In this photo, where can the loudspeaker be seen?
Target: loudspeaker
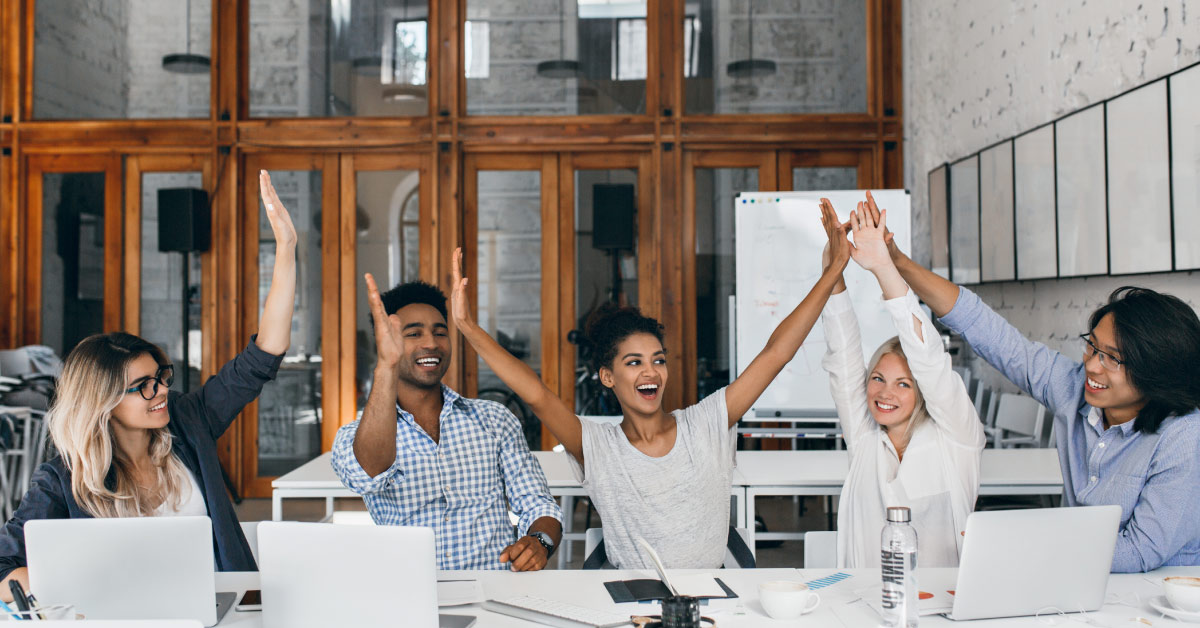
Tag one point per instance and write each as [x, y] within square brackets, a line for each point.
[183, 220]
[612, 216]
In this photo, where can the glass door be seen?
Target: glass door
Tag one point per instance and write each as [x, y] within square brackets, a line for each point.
[72, 281]
[510, 210]
[840, 169]
[712, 180]
[385, 201]
[285, 424]
[605, 213]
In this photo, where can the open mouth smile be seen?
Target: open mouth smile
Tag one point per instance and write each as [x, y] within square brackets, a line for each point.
[1095, 386]
[648, 391]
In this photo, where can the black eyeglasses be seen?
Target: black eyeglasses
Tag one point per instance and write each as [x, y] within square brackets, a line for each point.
[1107, 360]
[147, 387]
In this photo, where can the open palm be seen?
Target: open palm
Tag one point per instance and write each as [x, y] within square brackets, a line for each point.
[870, 247]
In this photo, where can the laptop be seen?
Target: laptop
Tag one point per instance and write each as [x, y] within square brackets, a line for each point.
[1019, 562]
[129, 568]
[316, 575]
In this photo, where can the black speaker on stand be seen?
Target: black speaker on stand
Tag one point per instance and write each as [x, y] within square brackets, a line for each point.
[184, 227]
[613, 210]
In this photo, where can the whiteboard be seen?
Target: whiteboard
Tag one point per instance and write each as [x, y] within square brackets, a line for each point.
[779, 238]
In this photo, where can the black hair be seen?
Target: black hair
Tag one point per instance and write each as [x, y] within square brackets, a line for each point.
[610, 324]
[414, 292]
[1159, 338]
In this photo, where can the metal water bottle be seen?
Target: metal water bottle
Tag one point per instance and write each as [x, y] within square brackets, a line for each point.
[898, 560]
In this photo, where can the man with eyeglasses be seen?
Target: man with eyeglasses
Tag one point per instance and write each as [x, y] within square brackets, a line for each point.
[1126, 417]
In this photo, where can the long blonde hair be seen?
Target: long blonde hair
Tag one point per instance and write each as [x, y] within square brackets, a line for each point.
[91, 386]
[919, 413]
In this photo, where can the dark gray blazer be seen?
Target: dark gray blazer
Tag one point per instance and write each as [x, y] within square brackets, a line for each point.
[197, 420]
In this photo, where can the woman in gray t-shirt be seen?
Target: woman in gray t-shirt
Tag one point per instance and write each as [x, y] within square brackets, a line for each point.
[659, 476]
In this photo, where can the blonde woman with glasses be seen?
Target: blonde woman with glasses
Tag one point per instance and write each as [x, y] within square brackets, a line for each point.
[129, 447]
[913, 435]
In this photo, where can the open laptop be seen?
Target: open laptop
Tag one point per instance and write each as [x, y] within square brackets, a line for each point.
[129, 568]
[316, 575]
[1020, 562]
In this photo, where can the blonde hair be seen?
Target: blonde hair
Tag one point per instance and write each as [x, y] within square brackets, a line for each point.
[90, 388]
[919, 414]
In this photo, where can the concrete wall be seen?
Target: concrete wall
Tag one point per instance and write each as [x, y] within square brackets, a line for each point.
[979, 72]
[80, 59]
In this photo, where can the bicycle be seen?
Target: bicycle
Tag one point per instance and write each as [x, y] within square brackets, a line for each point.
[531, 426]
[591, 397]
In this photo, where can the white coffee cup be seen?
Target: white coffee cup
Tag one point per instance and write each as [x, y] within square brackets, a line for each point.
[787, 599]
[1183, 592]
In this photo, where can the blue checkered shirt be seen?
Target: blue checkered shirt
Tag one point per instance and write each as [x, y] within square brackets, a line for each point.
[1154, 478]
[461, 487]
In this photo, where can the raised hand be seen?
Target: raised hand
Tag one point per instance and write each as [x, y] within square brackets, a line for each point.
[388, 345]
[870, 249]
[888, 237]
[277, 214]
[838, 249]
[460, 309]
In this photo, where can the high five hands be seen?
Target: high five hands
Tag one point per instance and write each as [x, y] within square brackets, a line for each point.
[838, 249]
[460, 310]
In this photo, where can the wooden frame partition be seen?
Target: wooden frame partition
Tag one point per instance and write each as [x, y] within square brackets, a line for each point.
[251, 309]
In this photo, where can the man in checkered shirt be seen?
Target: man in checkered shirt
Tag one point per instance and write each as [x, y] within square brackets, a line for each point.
[422, 455]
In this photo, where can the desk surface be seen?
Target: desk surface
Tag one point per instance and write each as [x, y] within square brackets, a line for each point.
[998, 467]
[1128, 597]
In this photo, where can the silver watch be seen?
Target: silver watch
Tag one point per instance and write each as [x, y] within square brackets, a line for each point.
[546, 542]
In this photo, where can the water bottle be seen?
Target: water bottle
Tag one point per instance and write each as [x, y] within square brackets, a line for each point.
[898, 560]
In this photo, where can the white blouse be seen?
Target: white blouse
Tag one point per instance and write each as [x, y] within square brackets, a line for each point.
[939, 477]
[192, 504]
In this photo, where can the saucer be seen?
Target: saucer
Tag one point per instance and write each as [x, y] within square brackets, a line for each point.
[1160, 604]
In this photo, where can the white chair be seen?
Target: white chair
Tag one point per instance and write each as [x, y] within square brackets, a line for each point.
[985, 404]
[820, 549]
[250, 529]
[1019, 421]
[593, 536]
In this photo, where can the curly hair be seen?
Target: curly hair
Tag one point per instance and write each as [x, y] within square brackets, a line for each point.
[611, 324]
[414, 292]
[1159, 338]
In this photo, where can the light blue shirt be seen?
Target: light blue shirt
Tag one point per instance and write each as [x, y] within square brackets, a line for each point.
[1154, 478]
[461, 486]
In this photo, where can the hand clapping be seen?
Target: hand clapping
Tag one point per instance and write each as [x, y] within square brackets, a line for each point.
[838, 249]
[870, 247]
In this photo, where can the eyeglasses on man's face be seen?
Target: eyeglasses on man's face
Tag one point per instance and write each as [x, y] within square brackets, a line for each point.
[147, 387]
[1107, 360]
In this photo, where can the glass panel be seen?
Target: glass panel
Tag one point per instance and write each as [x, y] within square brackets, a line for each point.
[289, 409]
[331, 58]
[556, 57]
[605, 262]
[964, 221]
[120, 60]
[387, 221]
[72, 258]
[509, 280]
[817, 179]
[775, 56]
[715, 278]
[161, 315]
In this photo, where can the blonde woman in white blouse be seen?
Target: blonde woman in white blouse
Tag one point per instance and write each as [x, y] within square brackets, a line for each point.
[913, 435]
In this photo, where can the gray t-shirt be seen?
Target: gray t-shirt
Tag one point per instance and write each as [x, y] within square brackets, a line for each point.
[678, 503]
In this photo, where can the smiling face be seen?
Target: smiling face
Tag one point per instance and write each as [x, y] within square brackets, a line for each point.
[638, 374]
[891, 392]
[1105, 389]
[426, 345]
[134, 412]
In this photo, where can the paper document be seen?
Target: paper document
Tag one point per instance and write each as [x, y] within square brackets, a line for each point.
[699, 585]
[459, 592]
[658, 566]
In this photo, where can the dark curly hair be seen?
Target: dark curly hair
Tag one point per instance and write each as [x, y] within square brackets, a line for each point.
[414, 292]
[1159, 338]
[610, 324]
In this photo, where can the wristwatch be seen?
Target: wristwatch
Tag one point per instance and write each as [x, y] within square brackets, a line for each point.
[546, 542]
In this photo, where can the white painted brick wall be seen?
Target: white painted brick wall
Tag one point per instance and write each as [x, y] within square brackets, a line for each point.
[978, 72]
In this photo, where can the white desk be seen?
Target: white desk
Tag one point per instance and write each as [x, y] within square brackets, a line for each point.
[759, 473]
[792, 473]
[1128, 595]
